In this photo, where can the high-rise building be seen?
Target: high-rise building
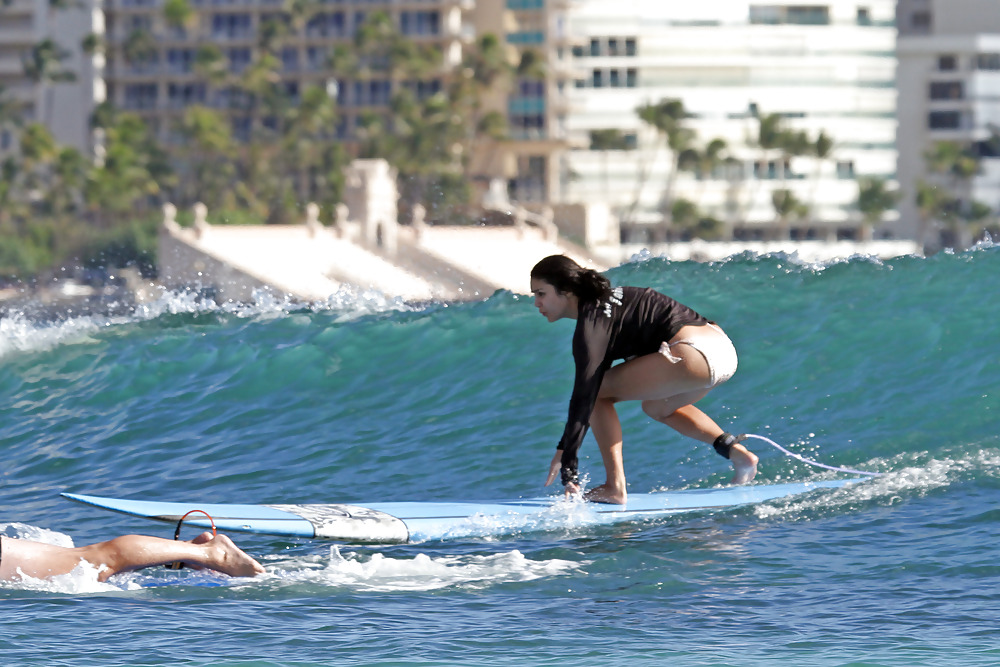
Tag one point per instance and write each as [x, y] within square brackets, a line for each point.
[46, 74]
[949, 118]
[805, 68]
[157, 63]
[537, 104]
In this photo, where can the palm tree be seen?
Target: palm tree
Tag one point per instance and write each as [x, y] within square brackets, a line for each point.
[180, 15]
[932, 204]
[874, 199]
[959, 164]
[308, 127]
[786, 208]
[11, 112]
[134, 169]
[704, 163]
[604, 141]
[208, 147]
[684, 214]
[38, 151]
[667, 118]
[822, 149]
[43, 66]
[93, 44]
[210, 64]
[486, 69]
[139, 47]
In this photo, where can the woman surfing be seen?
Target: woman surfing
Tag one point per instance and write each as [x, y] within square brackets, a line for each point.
[673, 358]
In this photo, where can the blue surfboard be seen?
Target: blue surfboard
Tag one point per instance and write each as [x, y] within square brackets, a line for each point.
[401, 522]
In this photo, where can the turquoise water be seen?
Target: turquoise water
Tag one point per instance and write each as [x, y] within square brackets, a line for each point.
[884, 366]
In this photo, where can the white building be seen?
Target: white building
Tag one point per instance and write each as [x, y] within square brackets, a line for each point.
[823, 66]
[949, 91]
[64, 107]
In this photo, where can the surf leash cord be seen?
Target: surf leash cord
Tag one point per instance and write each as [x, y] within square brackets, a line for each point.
[810, 461]
[177, 535]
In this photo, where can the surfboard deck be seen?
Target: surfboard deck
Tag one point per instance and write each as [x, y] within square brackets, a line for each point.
[415, 521]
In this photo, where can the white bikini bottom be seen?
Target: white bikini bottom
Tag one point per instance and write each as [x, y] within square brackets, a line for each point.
[715, 346]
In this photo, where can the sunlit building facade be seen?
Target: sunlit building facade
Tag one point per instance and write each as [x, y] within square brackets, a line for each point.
[820, 66]
[949, 91]
[58, 86]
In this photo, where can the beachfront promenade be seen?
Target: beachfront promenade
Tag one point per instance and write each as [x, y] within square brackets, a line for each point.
[365, 247]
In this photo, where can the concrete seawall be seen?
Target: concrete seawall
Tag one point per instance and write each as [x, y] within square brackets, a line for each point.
[230, 263]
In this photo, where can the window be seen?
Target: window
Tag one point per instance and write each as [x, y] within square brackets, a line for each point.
[180, 60]
[134, 23]
[630, 47]
[371, 93]
[944, 120]
[845, 169]
[947, 90]
[182, 95]
[614, 79]
[808, 15]
[290, 59]
[420, 23]
[526, 37]
[595, 47]
[316, 58]
[921, 21]
[864, 16]
[239, 60]
[765, 15]
[326, 24]
[988, 61]
[613, 47]
[794, 14]
[947, 63]
[530, 88]
[631, 78]
[424, 89]
[231, 26]
[597, 79]
[241, 127]
[140, 96]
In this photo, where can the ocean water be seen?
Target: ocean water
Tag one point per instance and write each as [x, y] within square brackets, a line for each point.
[888, 366]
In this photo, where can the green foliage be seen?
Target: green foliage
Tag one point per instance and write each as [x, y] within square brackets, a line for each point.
[178, 13]
[874, 199]
[59, 207]
[129, 244]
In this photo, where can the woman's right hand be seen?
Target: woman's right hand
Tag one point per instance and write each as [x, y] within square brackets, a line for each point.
[572, 488]
[554, 467]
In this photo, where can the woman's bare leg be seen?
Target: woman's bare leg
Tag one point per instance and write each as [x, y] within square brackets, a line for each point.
[607, 429]
[668, 391]
[124, 554]
[691, 421]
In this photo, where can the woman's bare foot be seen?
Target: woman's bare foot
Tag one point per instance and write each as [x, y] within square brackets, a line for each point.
[230, 559]
[606, 494]
[744, 463]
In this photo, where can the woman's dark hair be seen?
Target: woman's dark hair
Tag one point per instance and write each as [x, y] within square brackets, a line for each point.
[567, 276]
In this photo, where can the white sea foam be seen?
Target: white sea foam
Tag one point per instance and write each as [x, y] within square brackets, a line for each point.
[20, 332]
[381, 573]
[908, 480]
